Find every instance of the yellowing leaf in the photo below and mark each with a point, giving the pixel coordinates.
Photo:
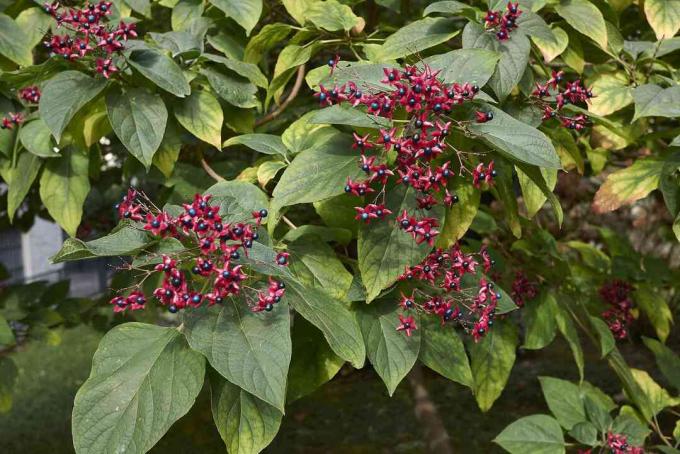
(625, 186)
(663, 16)
(551, 49)
(612, 93)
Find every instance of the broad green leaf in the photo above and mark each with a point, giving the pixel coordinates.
(143, 379)
(537, 434)
(584, 432)
(415, 37)
(315, 264)
(460, 215)
(514, 56)
(666, 359)
(327, 234)
(631, 426)
(564, 400)
(475, 66)
(317, 173)
(185, 12)
(613, 94)
(237, 199)
(573, 55)
(442, 350)
(201, 115)
(655, 307)
(331, 15)
(36, 137)
(64, 185)
(22, 177)
(126, 240)
(269, 36)
(492, 359)
(591, 256)
(504, 191)
(669, 184)
(597, 414)
(245, 423)
(14, 43)
(8, 376)
(313, 362)
(64, 95)
(658, 397)
(517, 140)
(236, 90)
(245, 13)
(338, 212)
(251, 350)
(290, 58)
(392, 353)
(338, 115)
(180, 43)
(654, 101)
(384, 250)
(370, 74)
(142, 7)
(533, 195)
(554, 47)
(539, 316)
(335, 320)
(268, 170)
(302, 134)
(585, 18)
(160, 69)
(604, 334)
(446, 7)
(628, 185)
(262, 143)
(228, 44)
(566, 327)
(138, 119)
(248, 70)
(663, 16)
(34, 23)
(168, 152)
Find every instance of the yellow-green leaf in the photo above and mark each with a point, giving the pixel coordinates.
(663, 16)
(625, 186)
(612, 93)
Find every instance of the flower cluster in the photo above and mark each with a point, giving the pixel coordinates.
(619, 316)
(618, 443)
(501, 23)
(12, 119)
(88, 34)
(440, 290)
(523, 289)
(417, 147)
(207, 270)
(563, 93)
(30, 94)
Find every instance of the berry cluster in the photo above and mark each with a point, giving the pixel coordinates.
(523, 289)
(12, 119)
(206, 270)
(618, 443)
(567, 92)
(440, 291)
(619, 316)
(88, 34)
(501, 23)
(416, 147)
(30, 94)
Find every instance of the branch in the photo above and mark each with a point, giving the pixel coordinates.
(436, 437)
(210, 171)
(291, 96)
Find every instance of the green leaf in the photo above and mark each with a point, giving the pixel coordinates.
(64, 95)
(168, 152)
(142, 7)
(160, 69)
(604, 334)
(8, 377)
(392, 353)
(245, 423)
(335, 320)
(460, 215)
(566, 326)
(269, 36)
(331, 15)
(384, 250)
(658, 397)
(415, 37)
(585, 18)
(517, 140)
(552, 47)
(446, 7)
(339, 115)
(180, 43)
(475, 66)
(666, 359)
(313, 363)
(34, 23)
(268, 170)
(64, 185)
(237, 199)
(185, 12)
(315, 264)
(514, 56)
(248, 70)
(290, 57)
(36, 137)
(504, 192)
(533, 195)
(237, 91)
(442, 350)
(262, 143)
(613, 93)
(327, 234)
(628, 185)
(22, 178)
(251, 350)
(492, 359)
(655, 307)
(632, 428)
(537, 434)
(591, 256)
(201, 115)
(302, 134)
(663, 16)
(542, 180)
(584, 432)
(6, 337)
(564, 400)
(14, 43)
(597, 414)
(138, 119)
(126, 240)
(654, 101)
(245, 13)
(317, 173)
(143, 379)
(539, 316)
